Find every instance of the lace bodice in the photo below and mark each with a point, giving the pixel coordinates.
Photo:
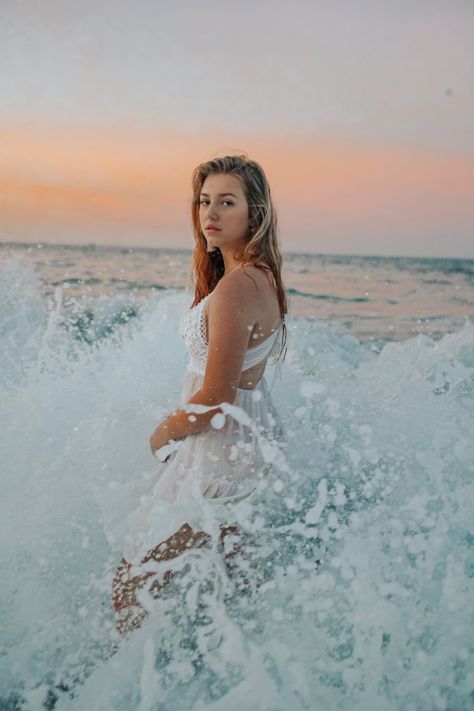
(193, 332)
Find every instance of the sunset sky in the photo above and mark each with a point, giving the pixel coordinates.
(361, 113)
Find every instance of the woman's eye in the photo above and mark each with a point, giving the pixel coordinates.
(224, 202)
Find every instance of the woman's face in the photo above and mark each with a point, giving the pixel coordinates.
(223, 205)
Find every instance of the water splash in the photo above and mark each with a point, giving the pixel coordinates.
(354, 584)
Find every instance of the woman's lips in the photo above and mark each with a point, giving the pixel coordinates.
(212, 229)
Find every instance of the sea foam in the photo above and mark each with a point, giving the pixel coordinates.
(355, 584)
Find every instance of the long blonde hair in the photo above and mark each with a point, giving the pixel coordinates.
(261, 248)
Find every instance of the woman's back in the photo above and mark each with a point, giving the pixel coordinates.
(265, 315)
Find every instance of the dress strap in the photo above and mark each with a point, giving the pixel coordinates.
(258, 353)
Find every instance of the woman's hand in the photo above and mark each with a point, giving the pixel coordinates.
(159, 438)
(161, 444)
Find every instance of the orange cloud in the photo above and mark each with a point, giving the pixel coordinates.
(115, 180)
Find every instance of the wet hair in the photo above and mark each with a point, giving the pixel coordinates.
(261, 248)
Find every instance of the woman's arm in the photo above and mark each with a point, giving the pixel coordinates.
(180, 424)
(232, 313)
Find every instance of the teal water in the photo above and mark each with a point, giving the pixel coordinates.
(360, 549)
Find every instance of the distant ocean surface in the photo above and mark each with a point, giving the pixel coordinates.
(361, 542)
(373, 298)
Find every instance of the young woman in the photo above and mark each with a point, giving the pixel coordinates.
(210, 447)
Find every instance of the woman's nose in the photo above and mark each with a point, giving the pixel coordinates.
(212, 210)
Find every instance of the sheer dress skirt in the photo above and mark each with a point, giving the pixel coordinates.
(199, 483)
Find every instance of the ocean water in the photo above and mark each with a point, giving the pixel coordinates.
(359, 555)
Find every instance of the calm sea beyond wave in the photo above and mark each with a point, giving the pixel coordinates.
(359, 558)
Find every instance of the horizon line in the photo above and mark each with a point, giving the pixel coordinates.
(98, 245)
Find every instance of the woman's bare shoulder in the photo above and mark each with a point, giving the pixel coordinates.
(236, 281)
(242, 287)
(262, 276)
(236, 293)
(251, 274)
(244, 295)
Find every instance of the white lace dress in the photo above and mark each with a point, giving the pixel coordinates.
(210, 470)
